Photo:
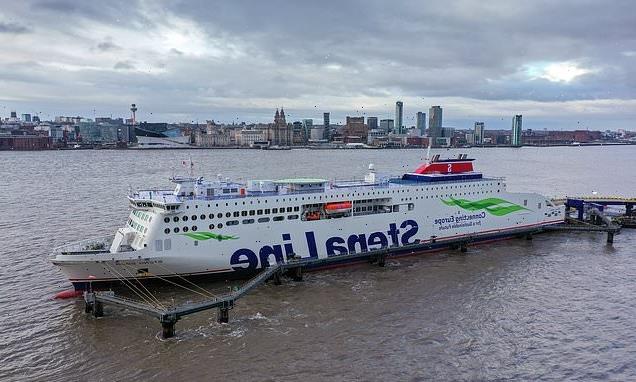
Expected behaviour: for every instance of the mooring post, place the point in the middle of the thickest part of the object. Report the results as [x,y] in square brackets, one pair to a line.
[297,274]
[463,247]
[277,279]
[167,325]
[223,316]
[89,300]
[382,258]
[610,237]
[98,309]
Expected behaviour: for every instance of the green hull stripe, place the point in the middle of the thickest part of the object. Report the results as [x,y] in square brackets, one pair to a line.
[208,236]
[494,206]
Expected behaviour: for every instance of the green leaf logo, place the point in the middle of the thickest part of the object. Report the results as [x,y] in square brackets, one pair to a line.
[209,235]
[494,206]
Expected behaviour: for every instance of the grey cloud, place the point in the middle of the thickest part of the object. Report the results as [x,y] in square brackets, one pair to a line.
[106,46]
[13,28]
[370,49]
[124,65]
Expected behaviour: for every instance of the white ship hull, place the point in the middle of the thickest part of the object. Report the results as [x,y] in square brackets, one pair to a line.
[425,213]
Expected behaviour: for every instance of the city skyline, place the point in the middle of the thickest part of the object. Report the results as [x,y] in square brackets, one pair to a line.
[231,63]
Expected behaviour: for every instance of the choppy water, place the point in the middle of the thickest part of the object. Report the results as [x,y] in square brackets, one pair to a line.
[562,306]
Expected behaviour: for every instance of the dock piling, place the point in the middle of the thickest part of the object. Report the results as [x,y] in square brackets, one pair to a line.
[167,325]
[610,238]
[463,247]
[223,316]
[98,309]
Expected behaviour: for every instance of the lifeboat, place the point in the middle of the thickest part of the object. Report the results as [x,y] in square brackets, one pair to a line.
[338,207]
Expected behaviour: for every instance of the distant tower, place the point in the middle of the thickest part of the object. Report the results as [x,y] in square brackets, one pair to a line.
[435,123]
[399,114]
[133,109]
[516,130]
[325,121]
[421,123]
[479,133]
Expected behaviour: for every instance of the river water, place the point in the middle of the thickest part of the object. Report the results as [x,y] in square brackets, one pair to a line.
[559,307]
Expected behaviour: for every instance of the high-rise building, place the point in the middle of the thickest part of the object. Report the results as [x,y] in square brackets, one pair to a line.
[386,125]
[399,114]
[372,122]
[325,122]
[308,124]
[516,130]
[435,123]
[26,117]
[479,133]
[421,123]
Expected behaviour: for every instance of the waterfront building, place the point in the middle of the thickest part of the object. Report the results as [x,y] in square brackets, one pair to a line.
[435,123]
[399,117]
[386,125]
[279,133]
[420,123]
[355,131]
[372,123]
[247,137]
[298,135]
[479,133]
[26,118]
[516,130]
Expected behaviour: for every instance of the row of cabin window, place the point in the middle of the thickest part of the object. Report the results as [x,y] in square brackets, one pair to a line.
[231,223]
[236,214]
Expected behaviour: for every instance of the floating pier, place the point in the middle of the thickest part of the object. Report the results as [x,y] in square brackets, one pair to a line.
[591,219]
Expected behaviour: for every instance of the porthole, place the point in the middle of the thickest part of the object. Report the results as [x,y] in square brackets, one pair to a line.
[220,225]
[176,229]
[211,216]
[194,228]
[228,214]
[194,217]
[185,229]
[166,220]
[166,231]
[202,217]
[219,215]
[185,218]
[211,226]
[175,219]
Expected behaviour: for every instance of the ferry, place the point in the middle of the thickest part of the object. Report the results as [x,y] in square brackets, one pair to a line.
[225,228]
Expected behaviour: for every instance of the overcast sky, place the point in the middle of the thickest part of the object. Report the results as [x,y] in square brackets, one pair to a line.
[562,64]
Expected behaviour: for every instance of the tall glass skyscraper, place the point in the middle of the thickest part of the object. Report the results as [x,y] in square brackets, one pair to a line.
[479,133]
[435,123]
[399,113]
[421,123]
[516,130]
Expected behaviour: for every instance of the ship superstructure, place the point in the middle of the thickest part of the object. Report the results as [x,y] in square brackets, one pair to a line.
[207,227]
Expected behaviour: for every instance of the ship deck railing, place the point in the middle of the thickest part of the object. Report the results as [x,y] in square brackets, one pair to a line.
[93,245]
[166,196]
